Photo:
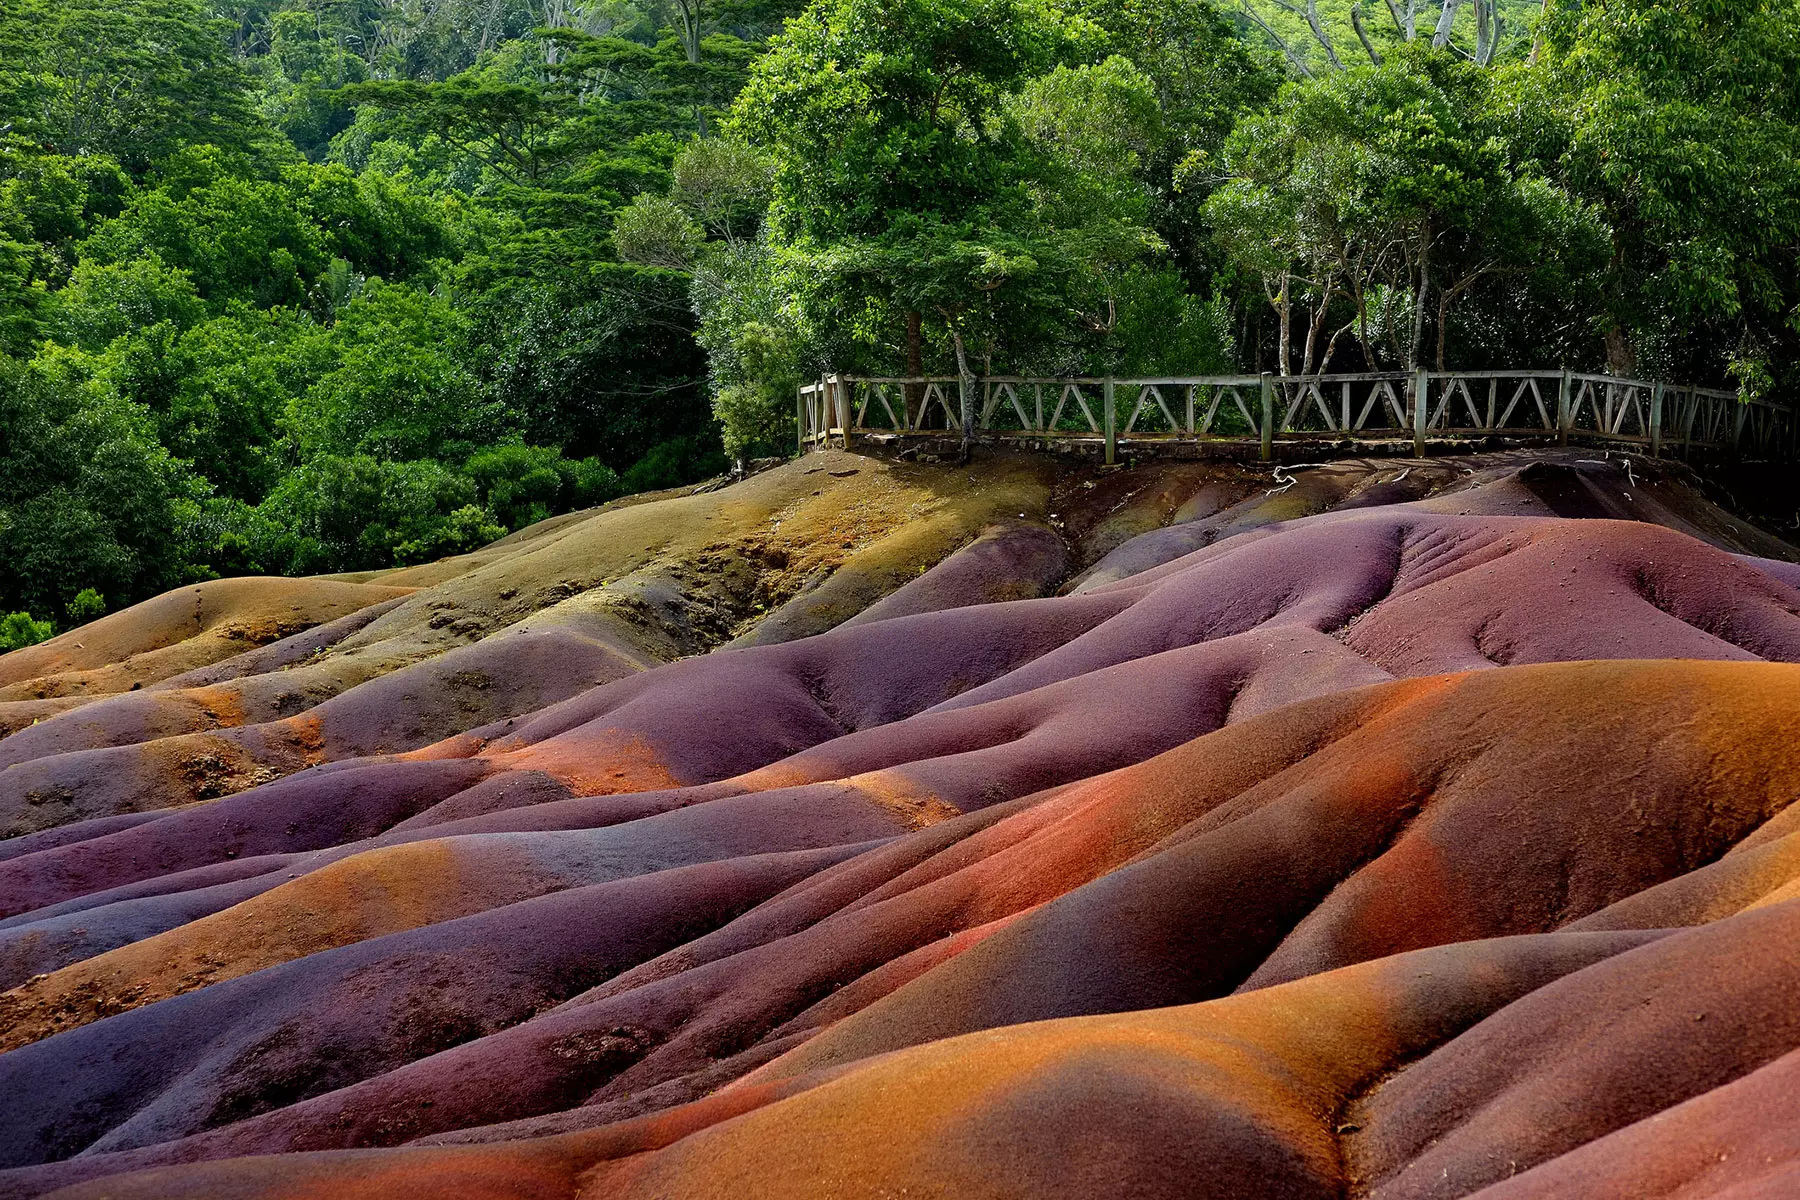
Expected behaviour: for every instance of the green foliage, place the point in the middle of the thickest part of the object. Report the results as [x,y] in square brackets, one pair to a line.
[1163,330]
[88,495]
[396,388]
[237,238]
[1682,121]
[1288,24]
[909,180]
[107,301]
[604,367]
[47,204]
[288,285]
[284,288]
[340,510]
[655,231]
[674,462]
[20,629]
[757,353]
[87,605]
[724,186]
[522,484]
[131,79]
[1390,180]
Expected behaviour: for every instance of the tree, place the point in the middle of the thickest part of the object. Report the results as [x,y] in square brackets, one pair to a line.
[1206,78]
[603,364]
[519,132]
[107,301]
[1377,185]
[48,203]
[133,79]
[656,232]
[88,496]
[906,191]
[237,238]
[1682,122]
[1309,37]
[395,388]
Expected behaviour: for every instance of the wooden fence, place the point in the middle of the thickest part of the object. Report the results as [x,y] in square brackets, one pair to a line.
[1552,405]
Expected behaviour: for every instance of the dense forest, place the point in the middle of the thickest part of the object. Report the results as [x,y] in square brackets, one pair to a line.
[298,286]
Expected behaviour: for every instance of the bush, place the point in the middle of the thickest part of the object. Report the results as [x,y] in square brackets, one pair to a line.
[86,605]
[1162,330]
[468,528]
[755,350]
[521,485]
[348,513]
[88,497]
[673,463]
[20,629]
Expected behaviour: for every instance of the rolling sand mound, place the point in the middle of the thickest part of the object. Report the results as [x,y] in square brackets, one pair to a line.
[1380,829]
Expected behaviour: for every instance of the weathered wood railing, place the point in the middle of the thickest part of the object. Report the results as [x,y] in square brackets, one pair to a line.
[1420,405]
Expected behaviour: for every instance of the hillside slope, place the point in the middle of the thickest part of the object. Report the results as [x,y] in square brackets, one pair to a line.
[1378,828]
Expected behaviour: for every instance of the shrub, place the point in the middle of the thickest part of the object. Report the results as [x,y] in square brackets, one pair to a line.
[86,605]
[521,484]
[20,629]
[673,463]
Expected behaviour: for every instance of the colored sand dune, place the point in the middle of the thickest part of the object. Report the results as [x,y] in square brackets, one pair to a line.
[878,829]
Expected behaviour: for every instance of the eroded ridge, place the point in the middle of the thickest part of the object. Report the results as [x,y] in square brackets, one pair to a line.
[1382,836]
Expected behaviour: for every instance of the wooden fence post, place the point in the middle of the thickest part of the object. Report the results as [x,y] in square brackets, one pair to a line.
[800,419]
[845,408]
[1268,416]
[1421,411]
[1112,421]
[1565,418]
[1656,418]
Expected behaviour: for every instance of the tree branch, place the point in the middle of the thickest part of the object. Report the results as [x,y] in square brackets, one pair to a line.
[1299,63]
[1362,35]
[1405,24]
[1484,52]
[1318,28]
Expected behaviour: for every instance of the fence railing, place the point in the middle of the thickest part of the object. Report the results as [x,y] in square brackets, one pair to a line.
[1421,405]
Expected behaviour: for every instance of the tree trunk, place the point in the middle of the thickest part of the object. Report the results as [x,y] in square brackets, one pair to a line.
[1362,35]
[1405,22]
[1485,32]
[1314,328]
[1424,281]
[1360,297]
[1446,23]
[1621,355]
[966,384]
[1292,55]
[1443,324]
[1284,308]
[1537,39]
[915,360]
[1318,29]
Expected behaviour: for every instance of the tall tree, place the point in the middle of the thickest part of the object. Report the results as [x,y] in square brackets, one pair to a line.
[1682,121]
[134,79]
[1378,185]
[907,191]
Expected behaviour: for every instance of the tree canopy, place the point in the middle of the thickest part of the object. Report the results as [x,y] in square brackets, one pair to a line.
[309,285]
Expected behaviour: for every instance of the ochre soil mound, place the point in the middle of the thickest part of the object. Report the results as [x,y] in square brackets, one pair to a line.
[1377,829]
